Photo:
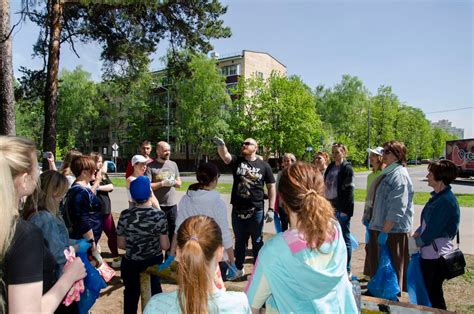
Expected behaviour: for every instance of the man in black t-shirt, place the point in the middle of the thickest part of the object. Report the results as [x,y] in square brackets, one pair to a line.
[247,199]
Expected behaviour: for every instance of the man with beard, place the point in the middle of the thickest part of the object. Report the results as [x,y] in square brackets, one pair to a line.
[247,199]
[164,175]
[145,150]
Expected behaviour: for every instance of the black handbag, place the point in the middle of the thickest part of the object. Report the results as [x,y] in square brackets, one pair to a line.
[453,262]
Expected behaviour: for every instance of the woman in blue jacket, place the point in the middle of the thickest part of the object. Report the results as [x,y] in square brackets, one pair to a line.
[439,224]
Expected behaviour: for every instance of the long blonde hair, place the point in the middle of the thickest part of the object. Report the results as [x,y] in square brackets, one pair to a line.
[53,185]
[16,157]
[199,237]
[301,189]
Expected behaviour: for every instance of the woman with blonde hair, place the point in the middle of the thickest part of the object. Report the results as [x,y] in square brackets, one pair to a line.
[199,251]
[303,270]
[46,216]
[27,265]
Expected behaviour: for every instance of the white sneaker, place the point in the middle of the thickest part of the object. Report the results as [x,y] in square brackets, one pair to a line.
[240,273]
[116,262]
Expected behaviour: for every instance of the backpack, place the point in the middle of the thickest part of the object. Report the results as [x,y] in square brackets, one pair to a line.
[66,208]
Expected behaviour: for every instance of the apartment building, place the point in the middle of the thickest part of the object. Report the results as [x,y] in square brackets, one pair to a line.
[234,66]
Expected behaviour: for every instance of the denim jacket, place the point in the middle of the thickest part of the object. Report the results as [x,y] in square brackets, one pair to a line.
[394,202]
[55,234]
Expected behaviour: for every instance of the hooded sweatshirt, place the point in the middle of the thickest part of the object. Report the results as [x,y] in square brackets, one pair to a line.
[207,203]
[291,278]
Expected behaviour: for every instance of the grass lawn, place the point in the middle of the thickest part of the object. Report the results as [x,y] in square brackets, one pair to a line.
[420,198]
[224,188]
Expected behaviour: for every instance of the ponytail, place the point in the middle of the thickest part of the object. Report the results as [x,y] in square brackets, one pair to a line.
[301,189]
[199,238]
[193,279]
[314,217]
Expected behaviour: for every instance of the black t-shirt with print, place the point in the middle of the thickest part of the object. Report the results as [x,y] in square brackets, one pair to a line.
[249,180]
[27,259]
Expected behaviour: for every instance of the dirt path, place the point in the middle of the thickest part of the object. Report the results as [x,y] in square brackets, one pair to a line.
[459,292]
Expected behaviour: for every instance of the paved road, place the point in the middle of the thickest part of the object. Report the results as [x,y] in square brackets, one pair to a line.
[119,202]
[417,174]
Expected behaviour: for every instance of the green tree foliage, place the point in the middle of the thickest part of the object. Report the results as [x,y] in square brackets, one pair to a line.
[279,113]
[344,111]
[29,98]
[414,130]
[440,137]
[78,110]
[129,31]
[202,100]
[383,114]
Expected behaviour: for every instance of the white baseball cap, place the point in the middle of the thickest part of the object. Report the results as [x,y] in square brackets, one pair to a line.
[138,158]
[377,151]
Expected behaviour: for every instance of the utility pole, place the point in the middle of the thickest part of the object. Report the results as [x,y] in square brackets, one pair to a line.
[368,135]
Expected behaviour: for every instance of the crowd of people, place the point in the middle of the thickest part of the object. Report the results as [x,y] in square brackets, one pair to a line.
[305,267]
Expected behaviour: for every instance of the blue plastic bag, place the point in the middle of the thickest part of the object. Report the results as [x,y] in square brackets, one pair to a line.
[93,283]
[384,284]
[416,283]
[277,222]
[367,234]
[354,242]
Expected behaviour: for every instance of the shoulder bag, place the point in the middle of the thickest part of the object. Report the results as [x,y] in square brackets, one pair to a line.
[453,262]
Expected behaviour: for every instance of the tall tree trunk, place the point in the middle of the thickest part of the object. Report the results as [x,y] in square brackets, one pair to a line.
[51,91]
[7,105]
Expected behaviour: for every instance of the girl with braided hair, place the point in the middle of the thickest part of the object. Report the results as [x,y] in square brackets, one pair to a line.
[304,268]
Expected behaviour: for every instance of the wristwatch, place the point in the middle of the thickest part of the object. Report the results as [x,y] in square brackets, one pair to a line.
[271,209]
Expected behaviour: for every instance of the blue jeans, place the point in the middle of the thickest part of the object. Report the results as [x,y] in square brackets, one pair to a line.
[345,222]
[244,229]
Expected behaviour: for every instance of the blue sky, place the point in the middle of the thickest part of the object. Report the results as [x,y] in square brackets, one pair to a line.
[422,49]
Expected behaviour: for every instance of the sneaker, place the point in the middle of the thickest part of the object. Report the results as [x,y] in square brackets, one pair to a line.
[116,262]
[240,273]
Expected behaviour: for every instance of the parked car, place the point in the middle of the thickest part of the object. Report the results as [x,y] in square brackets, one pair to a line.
[111,167]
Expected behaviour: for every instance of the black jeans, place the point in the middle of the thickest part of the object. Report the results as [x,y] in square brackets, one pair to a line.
[244,229]
[131,280]
[433,273]
[171,214]
[283,218]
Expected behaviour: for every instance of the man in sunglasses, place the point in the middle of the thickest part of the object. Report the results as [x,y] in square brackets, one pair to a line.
[250,173]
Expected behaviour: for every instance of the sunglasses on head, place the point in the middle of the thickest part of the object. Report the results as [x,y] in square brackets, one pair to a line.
[386,151]
[337,144]
[247,143]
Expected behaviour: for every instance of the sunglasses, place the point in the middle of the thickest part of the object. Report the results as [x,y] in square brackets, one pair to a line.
[247,143]
[386,151]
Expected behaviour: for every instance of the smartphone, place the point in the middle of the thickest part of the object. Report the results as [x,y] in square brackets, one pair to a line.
[47,155]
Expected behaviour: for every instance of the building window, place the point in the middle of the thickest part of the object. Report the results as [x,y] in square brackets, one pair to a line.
[229,70]
[182,148]
[259,75]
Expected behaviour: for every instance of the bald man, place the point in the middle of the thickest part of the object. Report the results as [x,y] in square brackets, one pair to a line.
[250,173]
[164,175]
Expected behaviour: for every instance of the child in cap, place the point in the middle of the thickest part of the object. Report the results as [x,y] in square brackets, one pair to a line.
[143,233]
